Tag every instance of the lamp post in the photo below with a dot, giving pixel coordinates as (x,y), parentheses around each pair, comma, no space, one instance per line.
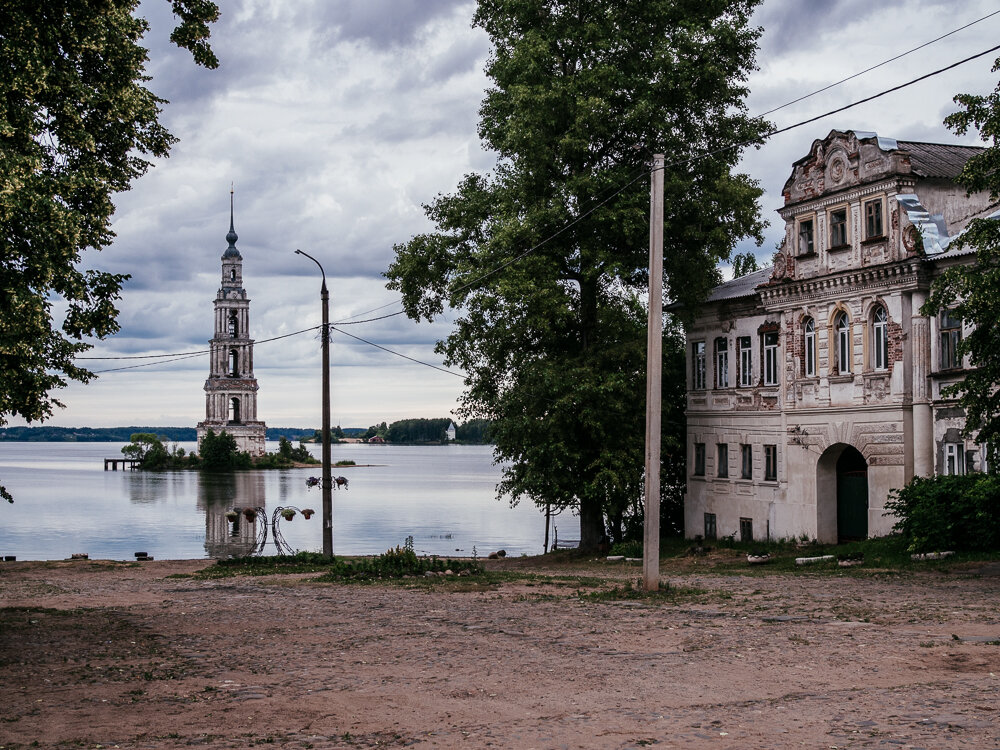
(327,475)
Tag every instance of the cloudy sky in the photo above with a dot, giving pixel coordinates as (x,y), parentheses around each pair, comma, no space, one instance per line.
(337,120)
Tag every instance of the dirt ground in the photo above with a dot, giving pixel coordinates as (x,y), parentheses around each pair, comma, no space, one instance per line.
(143,656)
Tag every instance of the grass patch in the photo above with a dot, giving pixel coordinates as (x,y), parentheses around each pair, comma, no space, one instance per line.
(266,565)
(666,594)
(882,555)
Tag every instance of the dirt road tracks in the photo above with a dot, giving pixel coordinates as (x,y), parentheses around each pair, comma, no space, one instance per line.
(146,656)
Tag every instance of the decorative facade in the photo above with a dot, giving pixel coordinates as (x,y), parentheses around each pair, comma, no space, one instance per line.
(814,386)
(231,388)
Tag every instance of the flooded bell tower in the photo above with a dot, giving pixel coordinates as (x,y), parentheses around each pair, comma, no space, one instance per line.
(231,388)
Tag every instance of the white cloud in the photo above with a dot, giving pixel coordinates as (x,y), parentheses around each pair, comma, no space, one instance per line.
(336,121)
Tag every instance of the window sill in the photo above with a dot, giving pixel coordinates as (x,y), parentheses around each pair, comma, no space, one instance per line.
(847,377)
(838,248)
(806,256)
(874,240)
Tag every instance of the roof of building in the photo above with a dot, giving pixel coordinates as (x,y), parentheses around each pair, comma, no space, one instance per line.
(938,159)
(744,286)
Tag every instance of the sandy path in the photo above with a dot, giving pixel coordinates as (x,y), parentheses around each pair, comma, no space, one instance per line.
(125,656)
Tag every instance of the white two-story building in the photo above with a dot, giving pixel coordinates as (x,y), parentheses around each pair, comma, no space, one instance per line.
(814,386)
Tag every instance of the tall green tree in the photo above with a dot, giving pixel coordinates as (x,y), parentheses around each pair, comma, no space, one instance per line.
(76,126)
(973,291)
(552,338)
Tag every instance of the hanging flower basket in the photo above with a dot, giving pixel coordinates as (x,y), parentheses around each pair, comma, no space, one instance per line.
(232,515)
(250,513)
(288,514)
(307,513)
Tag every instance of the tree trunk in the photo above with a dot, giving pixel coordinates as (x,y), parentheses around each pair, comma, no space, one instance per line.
(591,524)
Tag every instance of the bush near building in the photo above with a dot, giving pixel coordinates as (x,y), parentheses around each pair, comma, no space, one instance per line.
(948,512)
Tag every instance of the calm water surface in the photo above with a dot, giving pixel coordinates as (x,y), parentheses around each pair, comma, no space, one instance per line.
(444,496)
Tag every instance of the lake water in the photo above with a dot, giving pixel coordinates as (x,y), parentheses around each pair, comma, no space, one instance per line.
(442,496)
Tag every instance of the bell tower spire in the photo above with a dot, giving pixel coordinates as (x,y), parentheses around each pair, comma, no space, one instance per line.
(231,388)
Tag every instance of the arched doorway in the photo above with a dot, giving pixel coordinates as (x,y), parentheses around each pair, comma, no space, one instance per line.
(841,494)
(852,495)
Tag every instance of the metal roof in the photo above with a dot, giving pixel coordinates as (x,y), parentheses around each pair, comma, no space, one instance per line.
(744,286)
(938,159)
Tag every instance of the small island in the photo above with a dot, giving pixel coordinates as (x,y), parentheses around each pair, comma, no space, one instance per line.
(218,453)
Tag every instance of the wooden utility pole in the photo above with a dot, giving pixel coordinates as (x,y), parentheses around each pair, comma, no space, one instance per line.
(654,387)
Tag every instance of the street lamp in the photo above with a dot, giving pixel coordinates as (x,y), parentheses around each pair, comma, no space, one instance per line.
(327,475)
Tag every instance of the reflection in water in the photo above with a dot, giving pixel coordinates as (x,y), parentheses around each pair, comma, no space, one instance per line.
(442,496)
(146,487)
(217,495)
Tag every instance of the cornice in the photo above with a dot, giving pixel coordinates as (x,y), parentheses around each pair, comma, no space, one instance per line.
(904,275)
(895,184)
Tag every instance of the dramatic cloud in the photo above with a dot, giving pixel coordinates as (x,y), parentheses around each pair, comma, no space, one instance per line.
(337,120)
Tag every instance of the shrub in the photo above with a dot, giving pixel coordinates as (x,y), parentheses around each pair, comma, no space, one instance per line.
(948,512)
(632,548)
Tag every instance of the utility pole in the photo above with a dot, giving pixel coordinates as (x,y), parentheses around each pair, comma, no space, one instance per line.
(327,485)
(654,386)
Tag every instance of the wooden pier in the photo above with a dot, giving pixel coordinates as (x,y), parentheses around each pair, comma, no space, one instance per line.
(127,463)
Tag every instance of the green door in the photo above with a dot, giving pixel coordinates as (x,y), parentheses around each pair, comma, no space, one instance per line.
(852,496)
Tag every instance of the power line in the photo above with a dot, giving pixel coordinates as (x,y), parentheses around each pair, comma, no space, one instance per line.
(199,351)
(639,175)
(878,65)
(378,346)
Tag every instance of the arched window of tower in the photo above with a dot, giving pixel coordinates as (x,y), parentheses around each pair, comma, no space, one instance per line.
(234,410)
(233,325)
(234,363)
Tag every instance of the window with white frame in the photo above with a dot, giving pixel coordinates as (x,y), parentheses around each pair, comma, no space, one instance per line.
(698,365)
(880,339)
(769,344)
(954,458)
(744,344)
(809,348)
(722,363)
(842,332)
(951,336)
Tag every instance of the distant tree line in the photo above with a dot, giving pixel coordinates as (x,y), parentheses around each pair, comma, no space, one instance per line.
(412,432)
(46,434)
(405,431)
